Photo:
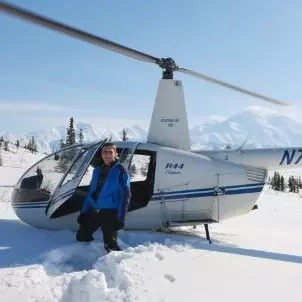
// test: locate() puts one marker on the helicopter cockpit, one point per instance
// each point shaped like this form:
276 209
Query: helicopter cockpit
62 179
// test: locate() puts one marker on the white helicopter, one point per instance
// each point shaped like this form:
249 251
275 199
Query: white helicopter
171 184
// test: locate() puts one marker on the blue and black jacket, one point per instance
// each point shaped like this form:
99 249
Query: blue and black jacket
115 193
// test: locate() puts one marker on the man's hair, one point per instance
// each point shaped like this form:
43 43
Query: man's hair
109 144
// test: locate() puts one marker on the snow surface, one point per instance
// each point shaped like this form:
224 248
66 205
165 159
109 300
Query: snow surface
255 257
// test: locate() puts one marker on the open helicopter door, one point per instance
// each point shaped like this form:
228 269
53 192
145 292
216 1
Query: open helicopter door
80 159
127 153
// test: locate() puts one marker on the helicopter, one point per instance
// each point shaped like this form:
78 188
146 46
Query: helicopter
171 184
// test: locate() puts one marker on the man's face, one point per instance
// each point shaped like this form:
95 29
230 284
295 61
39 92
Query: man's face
108 155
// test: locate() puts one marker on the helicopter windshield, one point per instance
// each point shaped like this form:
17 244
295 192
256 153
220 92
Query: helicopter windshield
46 174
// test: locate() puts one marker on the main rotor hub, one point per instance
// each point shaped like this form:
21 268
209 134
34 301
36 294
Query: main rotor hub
169 65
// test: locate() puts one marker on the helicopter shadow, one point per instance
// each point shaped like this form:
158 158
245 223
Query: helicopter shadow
58 252
255 253
21 245
195 241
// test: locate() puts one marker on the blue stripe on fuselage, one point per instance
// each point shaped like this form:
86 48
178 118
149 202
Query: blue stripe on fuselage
210 189
230 190
196 193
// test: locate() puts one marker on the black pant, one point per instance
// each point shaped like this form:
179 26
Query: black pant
107 220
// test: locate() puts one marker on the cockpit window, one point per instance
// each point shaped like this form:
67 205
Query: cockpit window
139 167
75 169
46 174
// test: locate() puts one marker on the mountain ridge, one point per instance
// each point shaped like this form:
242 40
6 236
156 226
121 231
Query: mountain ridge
258 127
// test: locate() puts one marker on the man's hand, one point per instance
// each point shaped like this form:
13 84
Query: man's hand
94 196
120 225
81 218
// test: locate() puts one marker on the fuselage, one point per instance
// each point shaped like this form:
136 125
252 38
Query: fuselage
169 187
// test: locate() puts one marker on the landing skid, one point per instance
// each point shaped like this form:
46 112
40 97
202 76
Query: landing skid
168 230
206 226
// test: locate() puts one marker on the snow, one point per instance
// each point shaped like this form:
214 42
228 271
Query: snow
48 140
255 257
19 158
261 126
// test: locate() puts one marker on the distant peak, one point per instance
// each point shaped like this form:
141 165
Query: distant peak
261 110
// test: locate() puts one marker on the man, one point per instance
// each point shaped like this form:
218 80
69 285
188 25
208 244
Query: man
107 200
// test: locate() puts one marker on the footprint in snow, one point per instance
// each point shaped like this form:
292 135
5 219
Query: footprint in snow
159 256
169 277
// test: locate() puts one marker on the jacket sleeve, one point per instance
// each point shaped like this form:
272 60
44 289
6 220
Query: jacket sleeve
92 187
126 196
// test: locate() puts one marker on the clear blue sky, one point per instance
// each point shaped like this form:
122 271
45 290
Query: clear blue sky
46 77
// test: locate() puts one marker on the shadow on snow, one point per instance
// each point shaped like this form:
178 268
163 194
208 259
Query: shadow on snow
58 252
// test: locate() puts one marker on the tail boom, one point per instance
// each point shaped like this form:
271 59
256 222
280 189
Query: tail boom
270 158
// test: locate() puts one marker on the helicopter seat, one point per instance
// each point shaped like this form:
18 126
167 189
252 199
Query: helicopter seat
141 192
32 182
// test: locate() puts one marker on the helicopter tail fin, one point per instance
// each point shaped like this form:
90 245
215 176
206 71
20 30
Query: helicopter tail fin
169 122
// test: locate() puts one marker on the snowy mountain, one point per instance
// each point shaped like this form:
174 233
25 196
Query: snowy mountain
49 140
258 126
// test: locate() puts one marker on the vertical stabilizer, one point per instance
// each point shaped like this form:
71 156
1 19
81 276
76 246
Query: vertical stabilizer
169 122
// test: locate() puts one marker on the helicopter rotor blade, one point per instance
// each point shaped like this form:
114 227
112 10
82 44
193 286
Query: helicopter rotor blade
167 64
76 33
230 86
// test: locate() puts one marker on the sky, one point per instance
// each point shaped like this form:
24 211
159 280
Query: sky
46 77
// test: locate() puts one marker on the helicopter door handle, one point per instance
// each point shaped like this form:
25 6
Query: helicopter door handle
219 191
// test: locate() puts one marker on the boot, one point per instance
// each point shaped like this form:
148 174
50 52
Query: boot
83 236
115 247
